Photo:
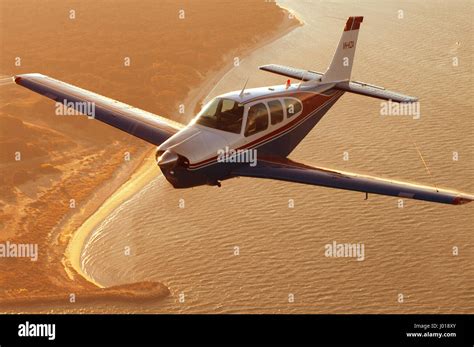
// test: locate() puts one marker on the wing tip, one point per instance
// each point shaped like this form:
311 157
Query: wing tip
266 67
410 99
462 199
18 78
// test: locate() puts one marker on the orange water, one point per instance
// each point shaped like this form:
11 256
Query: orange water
408 250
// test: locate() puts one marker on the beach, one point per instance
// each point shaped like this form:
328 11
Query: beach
72 173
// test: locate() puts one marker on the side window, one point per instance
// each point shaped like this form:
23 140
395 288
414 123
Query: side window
227 105
257 119
276 111
293 107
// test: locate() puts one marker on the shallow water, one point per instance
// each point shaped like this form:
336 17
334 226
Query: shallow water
408 250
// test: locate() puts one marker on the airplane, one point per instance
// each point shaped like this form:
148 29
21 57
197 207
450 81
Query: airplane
270 121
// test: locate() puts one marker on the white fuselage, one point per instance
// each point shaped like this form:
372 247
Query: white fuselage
199 143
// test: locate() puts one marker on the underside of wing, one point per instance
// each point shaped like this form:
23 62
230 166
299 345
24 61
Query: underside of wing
137 122
287 170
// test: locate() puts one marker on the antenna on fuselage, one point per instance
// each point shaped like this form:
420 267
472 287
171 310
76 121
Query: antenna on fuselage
243 89
302 79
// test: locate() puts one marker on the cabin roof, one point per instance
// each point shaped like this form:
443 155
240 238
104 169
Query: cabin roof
252 93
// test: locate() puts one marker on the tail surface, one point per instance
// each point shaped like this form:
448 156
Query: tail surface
341 64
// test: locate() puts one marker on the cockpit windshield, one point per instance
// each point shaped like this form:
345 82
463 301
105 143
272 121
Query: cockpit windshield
222 114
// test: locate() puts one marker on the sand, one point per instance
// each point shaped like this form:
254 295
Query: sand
75 158
139 178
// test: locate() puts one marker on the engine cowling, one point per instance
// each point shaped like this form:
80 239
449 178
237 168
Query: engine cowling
174 167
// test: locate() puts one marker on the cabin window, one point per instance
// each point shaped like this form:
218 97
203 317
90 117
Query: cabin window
293 107
257 119
276 111
222 114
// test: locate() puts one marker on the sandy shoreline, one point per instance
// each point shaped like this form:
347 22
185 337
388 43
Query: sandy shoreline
83 161
147 170
137 179
197 97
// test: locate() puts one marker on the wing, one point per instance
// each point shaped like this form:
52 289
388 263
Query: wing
139 123
355 87
287 170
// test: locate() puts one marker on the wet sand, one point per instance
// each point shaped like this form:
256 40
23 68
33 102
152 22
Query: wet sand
138 179
73 158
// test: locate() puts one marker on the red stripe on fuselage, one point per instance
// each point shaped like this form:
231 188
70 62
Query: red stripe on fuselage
311 102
